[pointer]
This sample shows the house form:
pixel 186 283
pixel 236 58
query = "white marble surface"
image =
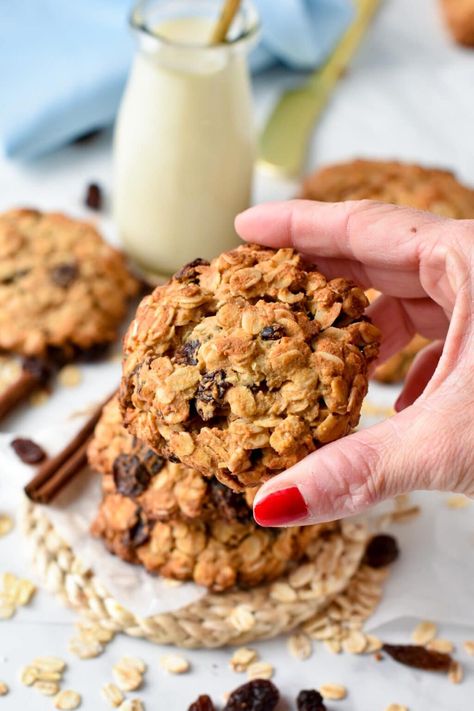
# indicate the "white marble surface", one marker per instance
pixel 409 95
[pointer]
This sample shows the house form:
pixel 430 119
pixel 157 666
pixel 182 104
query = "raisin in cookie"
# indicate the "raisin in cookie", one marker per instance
pixel 163 490
pixel 62 288
pixel 429 189
pixel 459 16
pixel 217 554
pixel 241 367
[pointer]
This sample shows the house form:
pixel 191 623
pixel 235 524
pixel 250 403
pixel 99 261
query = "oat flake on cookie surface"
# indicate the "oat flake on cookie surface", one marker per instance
pixel 241 367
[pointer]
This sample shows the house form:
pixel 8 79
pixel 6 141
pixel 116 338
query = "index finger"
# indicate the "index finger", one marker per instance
pixel 377 244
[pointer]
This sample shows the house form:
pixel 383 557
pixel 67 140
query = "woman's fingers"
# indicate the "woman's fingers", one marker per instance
pixel 400 319
pixel 419 374
pixel 384 242
pixel 409 451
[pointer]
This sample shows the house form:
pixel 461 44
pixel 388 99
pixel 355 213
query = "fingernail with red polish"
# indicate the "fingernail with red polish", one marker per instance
pixel 398 407
pixel 281 507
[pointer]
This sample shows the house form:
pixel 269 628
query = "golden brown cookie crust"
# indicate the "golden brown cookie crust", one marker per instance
pixel 459 16
pixel 163 490
pixel 61 286
pixel 216 554
pixel 405 184
pixel 429 189
pixel 242 367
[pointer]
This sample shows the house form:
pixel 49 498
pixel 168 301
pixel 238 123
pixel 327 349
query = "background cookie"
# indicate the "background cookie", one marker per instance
pixel 241 367
pixel 459 16
pixel 62 288
pixel 429 189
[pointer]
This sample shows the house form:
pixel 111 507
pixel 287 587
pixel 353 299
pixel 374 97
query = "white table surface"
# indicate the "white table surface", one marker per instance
pixel 409 95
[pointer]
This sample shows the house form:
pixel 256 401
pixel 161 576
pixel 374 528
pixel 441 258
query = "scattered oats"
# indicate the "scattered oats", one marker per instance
pixel 242 658
pixel 3 688
pixel 132 663
pixel 242 618
pixel 132 705
pixel 47 688
pixel 299 646
pixel 458 501
pixel 174 664
pixel 370 409
pixel 24 592
pixel 85 649
pixel 10 371
pixel 28 676
pixel 69 376
pixel 456 673
pixel 6 524
pixel 127 678
pixel 49 675
pixel 469 647
pixel 440 645
pixel 282 592
pixel 374 644
pixel 396 707
pixel 333 645
pixel 6 610
pixel 355 642
pixel 259 670
pixel 92 631
pixel 404 514
pixel 49 664
pixel 333 692
pixel 172 583
pixel 112 694
pixel 424 632
pixel 67 700
pixel 39 397
pixel 225 697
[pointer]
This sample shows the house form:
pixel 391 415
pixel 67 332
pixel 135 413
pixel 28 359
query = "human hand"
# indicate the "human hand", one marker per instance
pixel 424 265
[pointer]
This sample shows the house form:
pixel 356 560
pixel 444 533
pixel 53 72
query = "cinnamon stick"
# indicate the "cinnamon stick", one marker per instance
pixel 58 471
pixel 35 372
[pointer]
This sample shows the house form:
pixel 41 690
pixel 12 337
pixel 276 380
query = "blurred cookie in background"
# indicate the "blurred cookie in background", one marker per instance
pixel 459 16
pixel 411 185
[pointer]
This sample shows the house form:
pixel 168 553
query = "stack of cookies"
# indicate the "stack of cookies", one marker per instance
pixel 233 371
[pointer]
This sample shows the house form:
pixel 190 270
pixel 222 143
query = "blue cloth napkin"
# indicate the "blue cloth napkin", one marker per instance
pixel 63 63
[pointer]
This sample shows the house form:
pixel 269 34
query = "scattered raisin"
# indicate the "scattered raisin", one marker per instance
pixel 256 695
pixel 190 272
pixel 418 657
pixel 186 355
pixel 381 551
pixel 87 137
pixel 202 703
pixel 232 505
pixel 38 368
pixel 310 700
pixel 64 275
pixel 130 476
pixel 93 198
pixel 272 333
pixel 210 393
pixel 28 451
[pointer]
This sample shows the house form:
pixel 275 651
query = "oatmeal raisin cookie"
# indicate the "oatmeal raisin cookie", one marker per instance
pixel 429 189
pixel 163 490
pixel 62 288
pixel 241 367
pixel 216 554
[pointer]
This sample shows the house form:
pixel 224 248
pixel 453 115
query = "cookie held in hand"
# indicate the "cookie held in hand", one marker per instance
pixel 241 367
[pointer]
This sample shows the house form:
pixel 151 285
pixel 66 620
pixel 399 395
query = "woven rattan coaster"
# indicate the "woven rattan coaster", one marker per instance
pixel 216 619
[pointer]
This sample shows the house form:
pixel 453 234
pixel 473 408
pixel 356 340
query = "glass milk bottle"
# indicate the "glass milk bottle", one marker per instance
pixel 184 142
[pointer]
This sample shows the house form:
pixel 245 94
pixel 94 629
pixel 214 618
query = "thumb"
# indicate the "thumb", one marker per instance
pixel 350 475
